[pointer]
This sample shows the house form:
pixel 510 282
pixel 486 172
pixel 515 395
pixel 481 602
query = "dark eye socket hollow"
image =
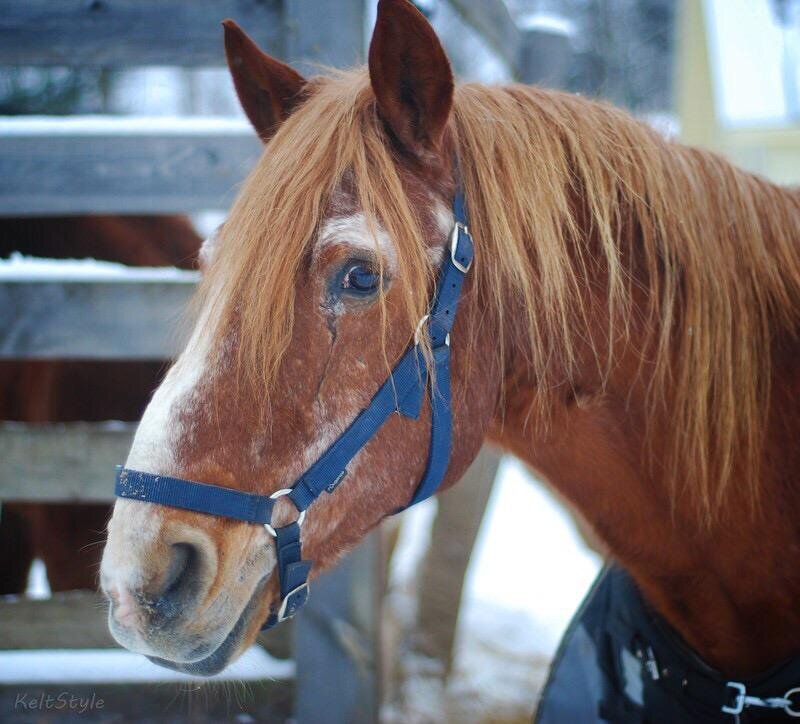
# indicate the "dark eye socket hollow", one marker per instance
pixel 360 279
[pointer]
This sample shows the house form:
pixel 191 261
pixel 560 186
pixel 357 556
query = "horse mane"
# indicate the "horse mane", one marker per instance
pixel 716 254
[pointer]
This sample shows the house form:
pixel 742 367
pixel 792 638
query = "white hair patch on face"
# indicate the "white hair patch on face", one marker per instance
pixel 160 430
pixel 443 215
pixel 354 231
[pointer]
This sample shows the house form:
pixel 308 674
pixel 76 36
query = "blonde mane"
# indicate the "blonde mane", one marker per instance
pixel 717 252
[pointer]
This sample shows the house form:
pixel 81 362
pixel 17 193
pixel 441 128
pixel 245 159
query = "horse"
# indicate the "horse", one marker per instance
pixel 629 329
pixel 66 536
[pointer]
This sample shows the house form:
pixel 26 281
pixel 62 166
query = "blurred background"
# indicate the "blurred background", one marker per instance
pixel 121 146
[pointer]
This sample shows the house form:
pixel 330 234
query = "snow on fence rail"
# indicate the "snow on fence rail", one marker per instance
pixel 90 310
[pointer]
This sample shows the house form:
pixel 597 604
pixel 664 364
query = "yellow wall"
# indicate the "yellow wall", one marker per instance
pixel 774 152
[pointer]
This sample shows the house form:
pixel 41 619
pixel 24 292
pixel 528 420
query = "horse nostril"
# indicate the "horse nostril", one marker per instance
pixel 179 580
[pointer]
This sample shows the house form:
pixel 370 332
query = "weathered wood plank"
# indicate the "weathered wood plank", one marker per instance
pixel 544 57
pixel 198 702
pixel 116 33
pixel 61 462
pixel 337 641
pixel 492 19
pixel 137 319
pixel 122 165
pixel 328 32
pixel 73 620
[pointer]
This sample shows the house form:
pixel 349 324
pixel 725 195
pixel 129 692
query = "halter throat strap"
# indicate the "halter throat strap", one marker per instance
pixel 402 392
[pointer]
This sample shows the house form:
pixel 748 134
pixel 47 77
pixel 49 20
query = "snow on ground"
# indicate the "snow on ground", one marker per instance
pixel 529 560
pixel 754 62
pixel 19 268
pixel 529 572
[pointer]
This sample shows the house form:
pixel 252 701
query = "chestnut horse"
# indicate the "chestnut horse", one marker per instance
pixel 64 535
pixel 629 329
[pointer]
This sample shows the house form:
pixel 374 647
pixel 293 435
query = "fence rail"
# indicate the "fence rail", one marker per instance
pixel 55 462
pixel 125 33
pixel 122 165
pixel 135 317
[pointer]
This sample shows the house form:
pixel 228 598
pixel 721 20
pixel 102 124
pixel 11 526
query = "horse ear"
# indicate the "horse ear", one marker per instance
pixel 268 89
pixel 410 76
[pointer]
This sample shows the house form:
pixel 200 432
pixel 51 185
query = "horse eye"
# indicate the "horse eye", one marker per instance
pixel 360 279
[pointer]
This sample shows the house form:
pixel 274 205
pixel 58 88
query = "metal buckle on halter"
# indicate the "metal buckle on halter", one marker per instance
pixel 279 494
pixel 418 331
pixel 282 615
pixel 743 700
pixel 454 247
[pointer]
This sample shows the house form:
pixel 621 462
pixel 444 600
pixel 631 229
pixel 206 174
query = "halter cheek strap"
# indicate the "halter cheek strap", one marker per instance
pixel 402 392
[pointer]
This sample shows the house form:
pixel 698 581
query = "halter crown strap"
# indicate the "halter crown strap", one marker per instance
pixel 402 392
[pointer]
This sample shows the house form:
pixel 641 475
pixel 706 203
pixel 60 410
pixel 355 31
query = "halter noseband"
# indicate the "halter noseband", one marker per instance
pixel 402 392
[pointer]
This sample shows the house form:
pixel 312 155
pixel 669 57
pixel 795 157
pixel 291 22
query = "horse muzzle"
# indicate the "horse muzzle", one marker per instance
pixel 169 597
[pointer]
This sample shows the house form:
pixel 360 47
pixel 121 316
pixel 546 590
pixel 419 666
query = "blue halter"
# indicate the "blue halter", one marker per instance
pixel 402 392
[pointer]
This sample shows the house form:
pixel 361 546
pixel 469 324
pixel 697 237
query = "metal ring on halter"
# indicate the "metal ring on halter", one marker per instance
pixel 279 494
pixel 420 325
pixel 789 708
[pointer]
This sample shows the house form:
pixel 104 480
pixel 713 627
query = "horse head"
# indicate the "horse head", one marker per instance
pixel 312 291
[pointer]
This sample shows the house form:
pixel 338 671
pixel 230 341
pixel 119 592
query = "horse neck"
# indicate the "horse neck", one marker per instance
pixel 729 588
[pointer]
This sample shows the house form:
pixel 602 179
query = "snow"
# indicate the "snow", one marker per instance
pixel 547 23
pixel 38 586
pixel 529 572
pixel 19 268
pixel 89 125
pixel 104 666
pixel 529 561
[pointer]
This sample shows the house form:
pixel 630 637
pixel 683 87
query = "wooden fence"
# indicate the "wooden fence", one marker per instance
pixel 77 165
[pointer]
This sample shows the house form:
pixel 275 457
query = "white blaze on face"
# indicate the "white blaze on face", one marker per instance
pixel 160 430
pixel 135 528
pixel 353 230
pixel 444 221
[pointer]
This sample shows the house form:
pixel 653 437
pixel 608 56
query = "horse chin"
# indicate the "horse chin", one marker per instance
pixel 218 659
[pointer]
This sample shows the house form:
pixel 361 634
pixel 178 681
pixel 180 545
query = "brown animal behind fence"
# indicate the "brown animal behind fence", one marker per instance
pixel 68 537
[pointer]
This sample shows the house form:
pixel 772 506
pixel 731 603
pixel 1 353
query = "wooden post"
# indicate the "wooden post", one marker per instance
pixel 444 567
pixel 337 641
pixel 544 55
pixel 327 32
